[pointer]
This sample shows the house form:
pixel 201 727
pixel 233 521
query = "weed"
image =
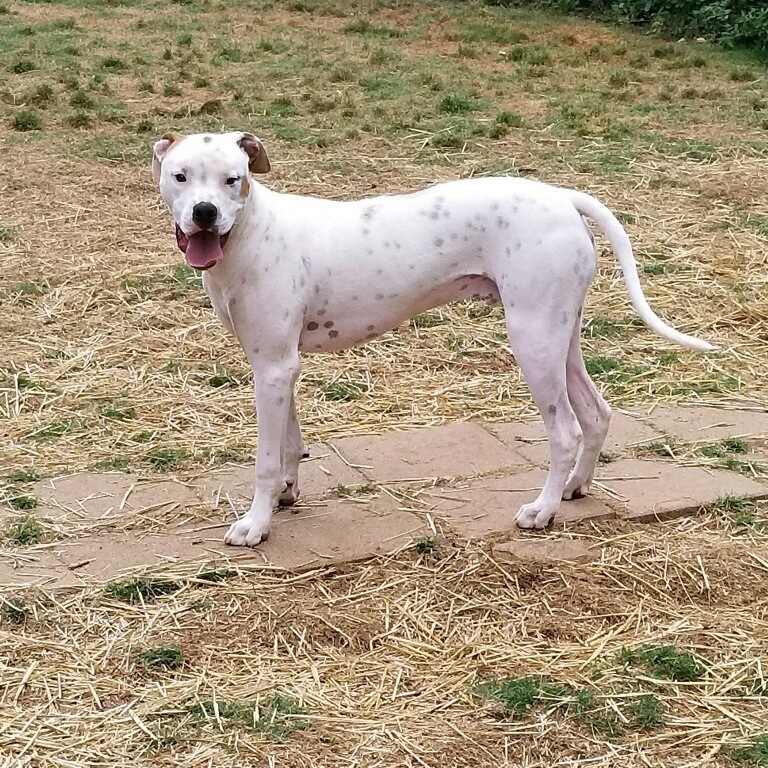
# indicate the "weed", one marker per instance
pixel 428 319
pixel 216 575
pixel 518 694
pixel 55 430
pixel 648 712
pixel 114 464
pixel 512 119
pixel 116 413
pixel 275 717
pixel 112 63
pixel 368 28
pixel 456 103
pixel 160 659
pixel 42 95
pixel 82 100
pixel 23 476
pixel 756 753
pixel 14 613
pixel 340 391
pixel 79 120
pixel 27 120
pixel 23 66
pixel 666 661
pixel 171 89
pixel 345 491
pixel 427 546
pixel 22 503
pixel 724 448
pixel 139 590
pixel 166 459
pixel 740 511
pixel 25 531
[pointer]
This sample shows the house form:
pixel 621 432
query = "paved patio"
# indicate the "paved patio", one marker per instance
pixel 369 495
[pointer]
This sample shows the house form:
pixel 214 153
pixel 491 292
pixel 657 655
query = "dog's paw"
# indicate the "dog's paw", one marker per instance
pixel 247 533
pixel 533 516
pixel 575 489
pixel 290 495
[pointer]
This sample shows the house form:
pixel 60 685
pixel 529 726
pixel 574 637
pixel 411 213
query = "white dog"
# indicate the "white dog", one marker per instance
pixel 289 274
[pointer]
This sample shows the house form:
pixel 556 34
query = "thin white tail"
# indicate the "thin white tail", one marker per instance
pixel 611 227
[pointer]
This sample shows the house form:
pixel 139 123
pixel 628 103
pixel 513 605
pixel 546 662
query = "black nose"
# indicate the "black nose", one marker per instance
pixel 204 214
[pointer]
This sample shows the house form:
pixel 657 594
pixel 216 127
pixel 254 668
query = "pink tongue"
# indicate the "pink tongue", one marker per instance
pixel 204 250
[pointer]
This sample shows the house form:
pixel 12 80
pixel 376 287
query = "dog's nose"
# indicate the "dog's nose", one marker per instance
pixel 204 214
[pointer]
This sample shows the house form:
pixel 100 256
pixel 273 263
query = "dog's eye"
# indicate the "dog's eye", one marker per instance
pixel 180 177
pixel 232 180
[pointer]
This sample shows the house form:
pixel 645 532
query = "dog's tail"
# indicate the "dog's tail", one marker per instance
pixel 609 224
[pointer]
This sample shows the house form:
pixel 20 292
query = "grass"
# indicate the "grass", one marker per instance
pixel 740 511
pixel 141 590
pixel 756 753
pixel 25 531
pixel 161 659
pixel 665 661
pixel 14 612
pixel 275 717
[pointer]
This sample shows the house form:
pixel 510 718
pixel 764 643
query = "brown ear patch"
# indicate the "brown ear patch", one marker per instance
pixel 173 137
pixel 258 161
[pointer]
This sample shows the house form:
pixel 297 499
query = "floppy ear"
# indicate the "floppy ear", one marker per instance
pixel 258 162
pixel 161 150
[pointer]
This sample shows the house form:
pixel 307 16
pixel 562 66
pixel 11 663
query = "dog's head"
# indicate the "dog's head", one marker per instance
pixel 204 180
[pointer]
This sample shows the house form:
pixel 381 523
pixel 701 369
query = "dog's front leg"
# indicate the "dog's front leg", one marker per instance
pixel 273 382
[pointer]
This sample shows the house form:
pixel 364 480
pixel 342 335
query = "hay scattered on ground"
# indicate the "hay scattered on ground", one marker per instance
pixel 384 663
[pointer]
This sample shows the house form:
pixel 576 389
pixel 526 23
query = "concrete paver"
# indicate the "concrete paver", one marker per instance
pixel 489 505
pixel 116 524
pixel 453 450
pixel 704 424
pixel 661 490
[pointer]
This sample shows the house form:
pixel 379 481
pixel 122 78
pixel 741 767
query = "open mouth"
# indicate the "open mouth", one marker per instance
pixel 203 249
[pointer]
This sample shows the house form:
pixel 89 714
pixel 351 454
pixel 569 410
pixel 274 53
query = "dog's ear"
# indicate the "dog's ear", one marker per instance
pixel 258 161
pixel 161 150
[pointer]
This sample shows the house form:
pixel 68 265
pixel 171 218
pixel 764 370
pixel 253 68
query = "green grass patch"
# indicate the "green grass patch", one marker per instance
pixel 519 694
pixel 664 661
pixel 166 459
pixel 22 503
pixel 25 531
pixel 426 546
pixel 724 448
pixel 141 590
pixel 27 120
pixel 740 511
pixel 23 476
pixel 274 718
pixel 162 659
pixel 755 753
pixel 14 612
pixel 369 29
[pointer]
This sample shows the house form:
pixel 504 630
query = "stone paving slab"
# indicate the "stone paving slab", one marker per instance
pixel 529 439
pixel 489 505
pixel 704 424
pixel 657 490
pixel 470 478
pixel 454 450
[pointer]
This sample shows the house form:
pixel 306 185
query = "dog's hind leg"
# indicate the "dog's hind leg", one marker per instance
pixel 540 342
pixel 293 450
pixel 594 416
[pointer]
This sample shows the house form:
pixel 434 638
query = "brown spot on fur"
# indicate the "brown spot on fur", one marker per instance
pixel 313 326
pixel 333 334
pixel 245 188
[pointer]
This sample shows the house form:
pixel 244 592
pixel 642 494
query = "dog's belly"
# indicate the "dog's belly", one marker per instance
pixel 336 325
